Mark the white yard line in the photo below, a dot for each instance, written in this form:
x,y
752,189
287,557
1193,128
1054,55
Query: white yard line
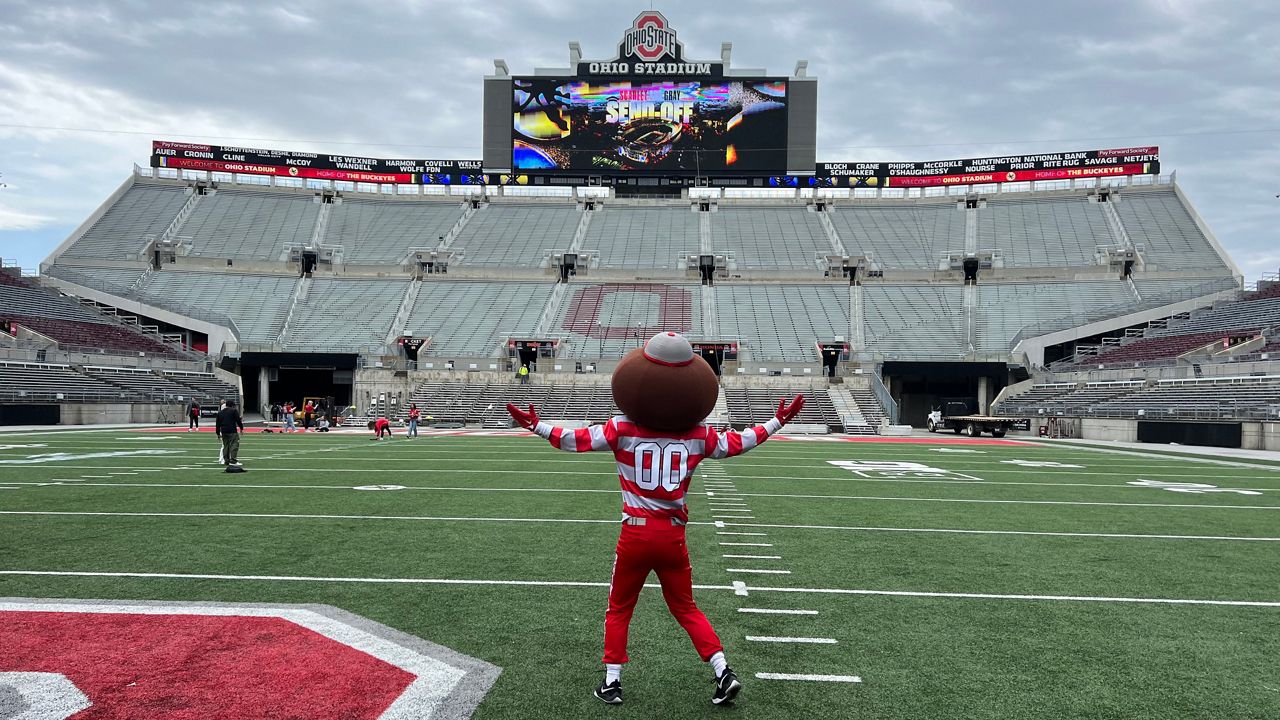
x,y
1123,536
758,571
835,476
955,531
745,495
754,557
735,587
809,678
738,544
773,639
736,517
1013,502
776,611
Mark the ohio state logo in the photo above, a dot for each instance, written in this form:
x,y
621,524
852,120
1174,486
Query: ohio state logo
x,y
650,38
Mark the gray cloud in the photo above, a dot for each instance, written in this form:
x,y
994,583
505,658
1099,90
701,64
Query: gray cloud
x,y
900,79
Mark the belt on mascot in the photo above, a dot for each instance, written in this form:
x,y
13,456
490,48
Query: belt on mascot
x,y
629,520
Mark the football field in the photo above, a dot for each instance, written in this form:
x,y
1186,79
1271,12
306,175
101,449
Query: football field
x,y
942,578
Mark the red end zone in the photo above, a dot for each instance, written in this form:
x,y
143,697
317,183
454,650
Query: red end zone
x,y
134,660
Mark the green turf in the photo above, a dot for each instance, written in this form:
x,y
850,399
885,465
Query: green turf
x,y
459,517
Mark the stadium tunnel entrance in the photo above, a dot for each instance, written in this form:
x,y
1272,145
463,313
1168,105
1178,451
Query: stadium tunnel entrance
x,y
919,387
276,377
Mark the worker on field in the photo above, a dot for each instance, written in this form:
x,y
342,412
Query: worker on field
x,y
228,426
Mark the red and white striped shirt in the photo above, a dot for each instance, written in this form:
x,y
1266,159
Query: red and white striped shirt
x,y
654,467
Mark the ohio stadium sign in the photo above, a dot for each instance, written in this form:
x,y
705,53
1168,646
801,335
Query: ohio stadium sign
x,y
650,47
982,171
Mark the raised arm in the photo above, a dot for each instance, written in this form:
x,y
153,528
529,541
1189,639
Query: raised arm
x,y
596,437
733,443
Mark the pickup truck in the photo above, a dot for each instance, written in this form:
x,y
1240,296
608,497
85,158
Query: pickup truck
x,y
955,416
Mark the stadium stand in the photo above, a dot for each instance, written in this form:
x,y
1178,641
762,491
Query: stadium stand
x,y
908,234
25,381
911,321
1210,398
143,210
257,304
516,235
206,385
781,237
344,313
117,278
1066,398
485,404
782,322
1045,277
642,237
372,232
71,325
141,382
606,320
1043,232
469,318
249,224
1158,219
752,406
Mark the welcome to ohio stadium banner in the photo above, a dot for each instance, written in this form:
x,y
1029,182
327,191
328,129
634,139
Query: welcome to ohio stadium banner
x,y
215,158
980,171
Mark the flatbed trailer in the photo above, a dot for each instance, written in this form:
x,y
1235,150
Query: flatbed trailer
x,y
972,425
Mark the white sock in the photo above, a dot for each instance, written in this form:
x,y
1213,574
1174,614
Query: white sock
x,y
718,663
612,672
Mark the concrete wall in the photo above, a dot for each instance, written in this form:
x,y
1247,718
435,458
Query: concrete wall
x,y
1109,429
115,413
1260,436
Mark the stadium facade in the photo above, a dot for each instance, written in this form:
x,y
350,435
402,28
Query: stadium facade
x,y
618,197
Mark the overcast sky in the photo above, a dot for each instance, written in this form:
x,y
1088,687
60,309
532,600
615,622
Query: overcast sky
x,y
899,80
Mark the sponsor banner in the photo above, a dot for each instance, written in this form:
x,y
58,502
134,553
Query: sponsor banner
x,y
216,158
979,171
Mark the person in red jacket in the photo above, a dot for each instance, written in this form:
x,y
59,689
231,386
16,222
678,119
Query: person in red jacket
x,y
665,391
380,426
308,413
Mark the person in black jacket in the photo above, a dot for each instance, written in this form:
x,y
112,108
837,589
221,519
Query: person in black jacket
x,y
229,426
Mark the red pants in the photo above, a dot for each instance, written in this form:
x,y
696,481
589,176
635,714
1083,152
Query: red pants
x,y
658,546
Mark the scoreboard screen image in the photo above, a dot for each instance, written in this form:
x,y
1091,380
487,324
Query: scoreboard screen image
x,y
667,126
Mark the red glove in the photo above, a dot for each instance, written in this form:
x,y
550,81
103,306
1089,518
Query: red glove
x,y
786,413
526,420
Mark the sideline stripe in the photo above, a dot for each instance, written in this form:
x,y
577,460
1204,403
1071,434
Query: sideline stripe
x,y
774,611
718,523
738,587
770,638
809,678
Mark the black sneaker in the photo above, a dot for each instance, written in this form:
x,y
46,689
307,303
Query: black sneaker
x,y
610,692
727,687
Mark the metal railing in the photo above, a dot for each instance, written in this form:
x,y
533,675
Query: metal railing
x,y
191,311
1067,322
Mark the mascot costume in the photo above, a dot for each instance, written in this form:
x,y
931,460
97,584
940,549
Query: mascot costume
x,y
664,392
